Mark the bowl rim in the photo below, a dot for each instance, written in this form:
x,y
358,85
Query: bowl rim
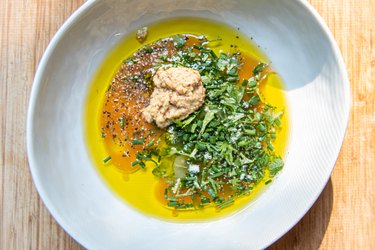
x,y
36,87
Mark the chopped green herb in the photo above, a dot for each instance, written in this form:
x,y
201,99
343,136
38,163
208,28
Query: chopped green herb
x,y
259,68
179,41
149,50
122,122
138,141
172,204
275,166
226,203
107,159
135,163
151,143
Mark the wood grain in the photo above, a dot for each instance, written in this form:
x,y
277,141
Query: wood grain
x,y
342,217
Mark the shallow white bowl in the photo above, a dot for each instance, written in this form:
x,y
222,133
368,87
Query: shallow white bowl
x,y
302,50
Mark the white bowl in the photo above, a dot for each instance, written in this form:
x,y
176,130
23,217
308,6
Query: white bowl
x,y
302,50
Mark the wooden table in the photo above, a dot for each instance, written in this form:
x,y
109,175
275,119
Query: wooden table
x,y
342,218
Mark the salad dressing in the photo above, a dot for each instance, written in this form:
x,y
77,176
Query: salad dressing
x,y
138,187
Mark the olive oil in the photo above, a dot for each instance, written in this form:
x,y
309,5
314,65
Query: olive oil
x,y
139,187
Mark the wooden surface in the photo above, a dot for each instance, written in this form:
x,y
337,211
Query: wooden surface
x,y
342,218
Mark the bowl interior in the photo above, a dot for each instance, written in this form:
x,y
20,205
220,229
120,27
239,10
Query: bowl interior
x,y
301,50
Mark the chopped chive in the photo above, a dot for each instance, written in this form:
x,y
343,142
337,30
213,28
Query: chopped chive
x,y
233,79
107,159
250,131
135,163
212,193
149,50
225,204
173,203
205,201
122,122
278,121
259,68
213,54
198,47
244,83
184,206
138,141
151,143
